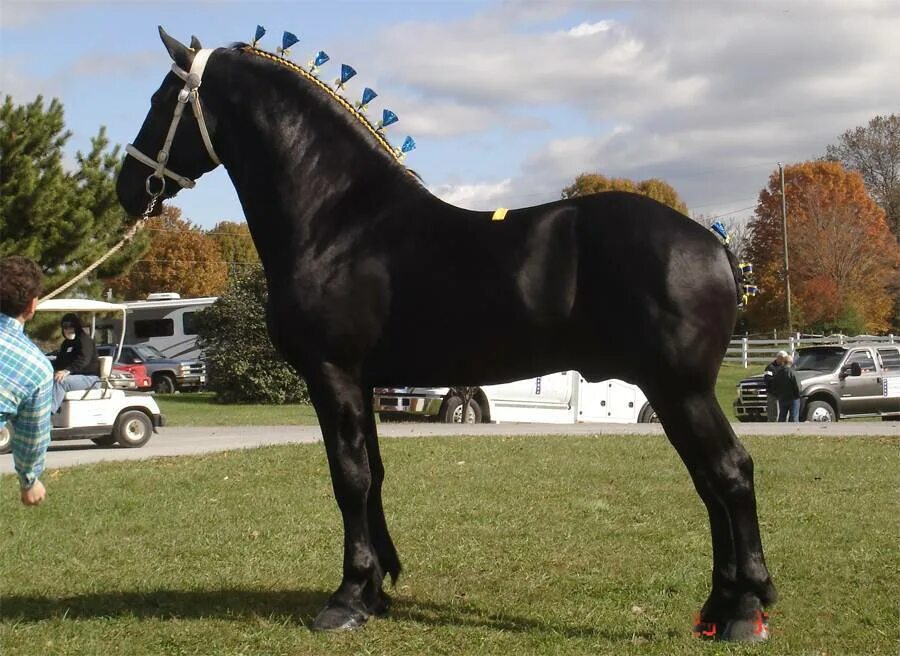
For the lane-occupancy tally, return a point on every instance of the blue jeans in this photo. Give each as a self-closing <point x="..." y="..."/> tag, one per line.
<point x="71" y="383"/>
<point x="789" y="406"/>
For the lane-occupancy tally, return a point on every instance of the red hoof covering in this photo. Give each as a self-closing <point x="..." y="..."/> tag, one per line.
<point x="751" y="630"/>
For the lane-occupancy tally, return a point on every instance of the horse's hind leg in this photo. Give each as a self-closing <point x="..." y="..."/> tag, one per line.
<point x="344" y="411"/>
<point x="722" y="472"/>
<point x="388" y="560"/>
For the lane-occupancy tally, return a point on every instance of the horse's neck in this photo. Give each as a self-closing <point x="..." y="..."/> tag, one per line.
<point x="296" y="164"/>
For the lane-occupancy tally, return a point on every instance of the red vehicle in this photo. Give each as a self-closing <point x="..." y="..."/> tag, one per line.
<point x="142" y="379"/>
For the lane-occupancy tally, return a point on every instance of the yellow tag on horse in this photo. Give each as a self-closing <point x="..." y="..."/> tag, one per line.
<point x="499" y="214"/>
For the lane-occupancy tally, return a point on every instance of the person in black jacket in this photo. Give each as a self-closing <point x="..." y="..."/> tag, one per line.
<point x="787" y="389"/>
<point x="768" y="378"/>
<point x="76" y="366"/>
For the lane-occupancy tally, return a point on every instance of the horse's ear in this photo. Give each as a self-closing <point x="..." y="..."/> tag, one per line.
<point x="177" y="50"/>
<point x="195" y="43"/>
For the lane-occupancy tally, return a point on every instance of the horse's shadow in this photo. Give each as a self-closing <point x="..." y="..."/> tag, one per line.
<point x="296" y="606"/>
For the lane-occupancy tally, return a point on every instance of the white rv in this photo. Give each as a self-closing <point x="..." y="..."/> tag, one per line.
<point x="559" y="398"/>
<point x="165" y="321"/>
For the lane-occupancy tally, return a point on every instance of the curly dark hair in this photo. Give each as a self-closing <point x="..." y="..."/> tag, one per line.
<point x="20" y="282"/>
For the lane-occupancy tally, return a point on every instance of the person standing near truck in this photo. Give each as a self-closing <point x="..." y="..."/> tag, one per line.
<point x="787" y="389"/>
<point x="769" y="379"/>
<point x="26" y="378"/>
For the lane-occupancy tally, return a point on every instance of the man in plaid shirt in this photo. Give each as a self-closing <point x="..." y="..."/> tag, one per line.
<point x="26" y="377"/>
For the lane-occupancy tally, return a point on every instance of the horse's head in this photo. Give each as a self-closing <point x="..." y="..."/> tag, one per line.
<point x="171" y="150"/>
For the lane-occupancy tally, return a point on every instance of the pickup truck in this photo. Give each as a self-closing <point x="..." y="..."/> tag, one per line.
<point x="166" y="375"/>
<point x="836" y="382"/>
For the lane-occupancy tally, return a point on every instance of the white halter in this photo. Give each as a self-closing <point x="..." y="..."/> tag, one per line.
<point x="189" y="93"/>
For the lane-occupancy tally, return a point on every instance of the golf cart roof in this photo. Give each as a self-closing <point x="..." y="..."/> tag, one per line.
<point x="78" y="305"/>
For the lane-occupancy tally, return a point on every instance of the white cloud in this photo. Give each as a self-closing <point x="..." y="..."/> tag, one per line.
<point x="589" y="29"/>
<point x="707" y="95"/>
<point x="484" y="196"/>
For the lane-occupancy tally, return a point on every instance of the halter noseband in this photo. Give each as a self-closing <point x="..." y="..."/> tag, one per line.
<point x="190" y="93"/>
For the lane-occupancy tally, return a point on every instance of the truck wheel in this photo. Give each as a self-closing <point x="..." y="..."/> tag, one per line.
<point x="133" y="429"/>
<point x="106" y="440"/>
<point x="648" y="415"/>
<point x="5" y="440"/>
<point x="451" y="413"/>
<point x="820" y="411"/>
<point x="164" y="384"/>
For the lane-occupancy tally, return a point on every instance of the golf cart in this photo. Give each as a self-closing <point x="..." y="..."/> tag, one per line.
<point x="103" y="414"/>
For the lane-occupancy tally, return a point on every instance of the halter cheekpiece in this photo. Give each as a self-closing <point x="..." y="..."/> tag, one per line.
<point x="188" y="94"/>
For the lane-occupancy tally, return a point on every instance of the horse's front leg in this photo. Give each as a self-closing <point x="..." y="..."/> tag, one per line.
<point x="344" y="411"/>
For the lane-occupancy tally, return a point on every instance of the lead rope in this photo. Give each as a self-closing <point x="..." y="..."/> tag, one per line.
<point x="128" y="236"/>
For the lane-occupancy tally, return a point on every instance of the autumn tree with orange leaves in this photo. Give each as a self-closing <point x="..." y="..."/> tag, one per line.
<point x="181" y="258"/>
<point x="842" y="254"/>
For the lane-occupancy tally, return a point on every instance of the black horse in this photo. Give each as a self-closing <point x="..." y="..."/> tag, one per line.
<point x="365" y="268"/>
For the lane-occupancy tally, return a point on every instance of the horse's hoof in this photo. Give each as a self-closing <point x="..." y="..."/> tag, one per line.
<point x="382" y="605"/>
<point x="755" y="629"/>
<point x="338" y="618"/>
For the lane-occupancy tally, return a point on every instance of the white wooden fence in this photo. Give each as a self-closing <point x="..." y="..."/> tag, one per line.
<point x="753" y="351"/>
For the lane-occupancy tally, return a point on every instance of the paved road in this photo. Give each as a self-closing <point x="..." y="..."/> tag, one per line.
<point x="179" y="441"/>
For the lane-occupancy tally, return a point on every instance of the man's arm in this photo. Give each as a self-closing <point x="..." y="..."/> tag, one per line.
<point x="31" y="434"/>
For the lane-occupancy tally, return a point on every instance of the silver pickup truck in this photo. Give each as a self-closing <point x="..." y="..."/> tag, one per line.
<point x="836" y="382"/>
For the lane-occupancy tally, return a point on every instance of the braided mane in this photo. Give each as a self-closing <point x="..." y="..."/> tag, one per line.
<point x="334" y="95"/>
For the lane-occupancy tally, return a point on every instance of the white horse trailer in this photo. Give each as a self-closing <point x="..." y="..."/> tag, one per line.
<point x="559" y="398"/>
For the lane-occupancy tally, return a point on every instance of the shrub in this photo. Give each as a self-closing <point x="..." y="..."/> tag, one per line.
<point x="242" y="363"/>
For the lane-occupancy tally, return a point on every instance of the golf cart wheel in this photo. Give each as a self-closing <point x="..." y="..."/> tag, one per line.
<point x="133" y="429"/>
<point x="164" y="384"/>
<point x="5" y="440"/>
<point x="106" y="440"/>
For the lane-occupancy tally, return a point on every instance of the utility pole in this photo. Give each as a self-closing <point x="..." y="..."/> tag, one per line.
<point x="787" y="274"/>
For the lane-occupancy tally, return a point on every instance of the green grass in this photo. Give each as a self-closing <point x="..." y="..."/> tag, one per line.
<point x="520" y="545"/>
<point x="200" y="409"/>
<point x="726" y="385"/>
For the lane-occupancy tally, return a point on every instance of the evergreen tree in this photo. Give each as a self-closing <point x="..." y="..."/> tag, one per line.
<point x="64" y="220"/>
<point x="243" y="365"/>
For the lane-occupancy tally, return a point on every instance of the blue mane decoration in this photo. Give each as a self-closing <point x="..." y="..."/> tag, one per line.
<point x="358" y="109"/>
<point x="367" y="96"/>
<point x="347" y="72"/>
<point x="287" y="40"/>
<point x="387" y="118"/>
<point x="260" y="33"/>
<point x="317" y="61"/>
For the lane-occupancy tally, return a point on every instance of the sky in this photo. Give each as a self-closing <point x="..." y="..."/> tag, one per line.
<point x="507" y="101"/>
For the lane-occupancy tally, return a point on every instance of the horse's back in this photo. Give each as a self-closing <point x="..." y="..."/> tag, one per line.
<point x="577" y="283"/>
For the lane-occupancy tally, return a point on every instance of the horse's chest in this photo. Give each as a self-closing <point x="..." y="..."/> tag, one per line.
<point x="346" y="302"/>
